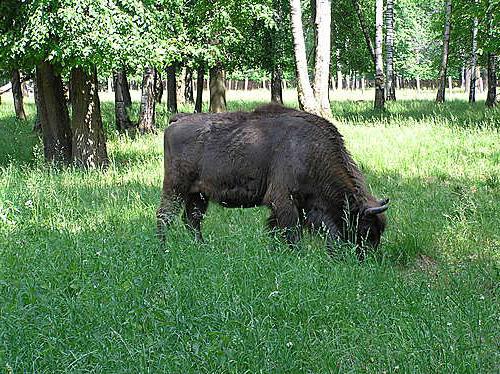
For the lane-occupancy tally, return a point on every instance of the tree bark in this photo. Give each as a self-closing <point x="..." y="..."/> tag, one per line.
<point x="122" y="101"/>
<point x="217" y="89"/>
<point x="440" y="97"/>
<point x="37" y="127"/>
<point x="181" y="88"/>
<point x="492" y="74"/>
<point x="88" y="143"/>
<point x="322" y="63"/>
<point x="492" y="81"/>
<point x="171" y="89"/>
<point x="379" y="63"/>
<point x="17" y="94"/>
<point x="53" y="114"/>
<point x="188" y="86"/>
<point x="148" y="102"/>
<point x="198" y="106"/>
<point x="390" y="86"/>
<point x="479" y="79"/>
<point x="339" y="80"/>
<point x="158" y="86"/>
<point x="472" y="86"/>
<point x="307" y="102"/>
<point x="364" y="29"/>
<point x="276" y="86"/>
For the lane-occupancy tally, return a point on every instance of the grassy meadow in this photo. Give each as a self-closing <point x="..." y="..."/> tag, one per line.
<point x="86" y="287"/>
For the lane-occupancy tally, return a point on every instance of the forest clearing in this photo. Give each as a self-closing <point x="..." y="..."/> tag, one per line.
<point x="87" y="287"/>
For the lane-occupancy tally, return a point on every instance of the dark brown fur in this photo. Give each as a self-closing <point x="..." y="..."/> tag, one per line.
<point x="293" y="162"/>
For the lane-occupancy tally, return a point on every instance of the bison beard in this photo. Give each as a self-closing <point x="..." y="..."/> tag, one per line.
<point x="293" y="162"/>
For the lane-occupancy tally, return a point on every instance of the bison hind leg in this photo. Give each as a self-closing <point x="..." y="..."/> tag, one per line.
<point x="168" y="211"/>
<point x="285" y="218"/>
<point x="196" y="205"/>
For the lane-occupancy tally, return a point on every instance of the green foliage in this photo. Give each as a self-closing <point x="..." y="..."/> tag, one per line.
<point x="85" y="33"/>
<point x="85" y="286"/>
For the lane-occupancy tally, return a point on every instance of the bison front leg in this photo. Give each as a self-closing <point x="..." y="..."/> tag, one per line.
<point x="194" y="210"/>
<point x="317" y="220"/>
<point x="170" y="207"/>
<point x="285" y="218"/>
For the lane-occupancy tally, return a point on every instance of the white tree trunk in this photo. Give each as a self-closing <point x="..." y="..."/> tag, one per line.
<point x="379" y="63"/>
<point x="305" y="93"/>
<point x="472" y="92"/>
<point x="391" y="91"/>
<point x="322" y="63"/>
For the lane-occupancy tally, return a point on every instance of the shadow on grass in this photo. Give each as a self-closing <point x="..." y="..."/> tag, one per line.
<point x="17" y="139"/>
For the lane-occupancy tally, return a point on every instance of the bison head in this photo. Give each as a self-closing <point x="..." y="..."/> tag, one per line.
<point x="371" y="223"/>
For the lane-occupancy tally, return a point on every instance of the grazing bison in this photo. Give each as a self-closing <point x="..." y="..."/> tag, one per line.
<point x="293" y="162"/>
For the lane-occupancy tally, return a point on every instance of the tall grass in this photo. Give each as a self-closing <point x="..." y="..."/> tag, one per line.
<point x="86" y="287"/>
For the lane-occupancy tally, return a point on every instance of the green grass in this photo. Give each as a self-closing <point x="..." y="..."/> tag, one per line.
<point x="86" y="287"/>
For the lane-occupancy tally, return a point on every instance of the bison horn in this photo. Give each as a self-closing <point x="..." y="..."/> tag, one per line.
<point x="383" y="202"/>
<point x="375" y="210"/>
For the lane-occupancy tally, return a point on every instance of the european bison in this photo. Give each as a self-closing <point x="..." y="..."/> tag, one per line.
<point x="293" y="162"/>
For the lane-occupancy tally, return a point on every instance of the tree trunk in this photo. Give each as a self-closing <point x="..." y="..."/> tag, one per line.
<point x="110" y="85"/>
<point x="463" y="79"/>
<point x="171" y="89"/>
<point x="379" y="63"/>
<point x="450" y="84"/>
<point x="492" y="81"/>
<point x="217" y="89"/>
<point x="181" y="88"/>
<point x="339" y="80"/>
<point x="322" y="64"/>
<point x="479" y="79"/>
<point x="17" y="94"/>
<point x="89" y="143"/>
<point x="246" y="84"/>
<point x="417" y="82"/>
<point x="37" y="127"/>
<point x="148" y="102"/>
<point x="364" y="29"/>
<point x="276" y="86"/>
<point x="444" y="61"/>
<point x="307" y="102"/>
<point x="473" y="63"/>
<point x="198" y="106"/>
<point x="53" y="114"/>
<point x="390" y="86"/>
<point x="188" y="86"/>
<point x="492" y="74"/>
<point x="122" y="101"/>
<point x="158" y="86"/>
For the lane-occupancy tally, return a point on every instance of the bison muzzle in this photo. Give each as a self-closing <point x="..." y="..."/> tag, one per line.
<point x="291" y="161"/>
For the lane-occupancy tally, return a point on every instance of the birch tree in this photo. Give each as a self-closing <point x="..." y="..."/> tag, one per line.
<point x="313" y="101"/>
<point x="444" y="61"/>
<point x="379" y="64"/>
<point x="390" y="86"/>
